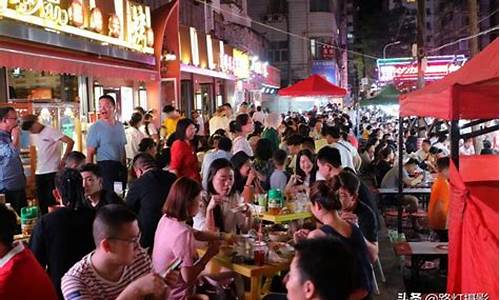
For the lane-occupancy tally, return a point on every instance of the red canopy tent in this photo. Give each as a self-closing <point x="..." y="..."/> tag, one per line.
<point x="469" y="93"/>
<point x="315" y="85"/>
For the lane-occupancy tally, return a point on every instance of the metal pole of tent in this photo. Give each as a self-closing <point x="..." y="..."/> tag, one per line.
<point x="454" y="142"/>
<point x="400" y="176"/>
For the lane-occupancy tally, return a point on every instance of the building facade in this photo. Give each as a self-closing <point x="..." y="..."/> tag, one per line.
<point x="220" y="57"/>
<point x="305" y="37"/>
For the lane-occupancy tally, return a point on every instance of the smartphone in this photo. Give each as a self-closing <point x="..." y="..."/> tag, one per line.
<point x="174" y="266"/>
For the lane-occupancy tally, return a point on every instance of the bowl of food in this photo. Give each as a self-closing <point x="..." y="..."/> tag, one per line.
<point x="278" y="236"/>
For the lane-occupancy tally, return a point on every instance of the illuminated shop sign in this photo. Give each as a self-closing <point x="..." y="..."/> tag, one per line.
<point x="259" y="67"/>
<point x="406" y="69"/>
<point x="117" y="22"/>
<point x="241" y="64"/>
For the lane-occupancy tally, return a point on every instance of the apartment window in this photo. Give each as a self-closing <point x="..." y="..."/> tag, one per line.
<point x="279" y="51"/>
<point x="429" y="39"/>
<point x="277" y="6"/>
<point x="428" y="25"/>
<point x="428" y="11"/>
<point x="320" y="6"/>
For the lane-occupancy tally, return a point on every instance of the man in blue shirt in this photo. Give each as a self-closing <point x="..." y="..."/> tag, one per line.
<point x="106" y="140"/>
<point x="12" y="179"/>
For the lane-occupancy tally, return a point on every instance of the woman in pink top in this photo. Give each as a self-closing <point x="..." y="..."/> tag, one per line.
<point x="175" y="239"/>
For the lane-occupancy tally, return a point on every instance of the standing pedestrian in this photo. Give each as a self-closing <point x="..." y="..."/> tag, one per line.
<point x="12" y="179"/>
<point x="106" y="140"/>
<point x="48" y="142"/>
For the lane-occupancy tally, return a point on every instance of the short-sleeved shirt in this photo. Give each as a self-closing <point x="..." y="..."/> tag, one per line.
<point x="151" y="129"/>
<point x="367" y="221"/>
<point x="48" y="150"/>
<point x="170" y="125"/>
<point x="391" y="178"/>
<point x="11" y="168"/>
<point x="134" y="138"/>
<point x="241" y="144"/>
<point x="438" y="204"/>
<point x="22" y="277"/>
<point x="278" y="180"/>
<point x="346" y="154"/>
<point x="231" y="217"/>
<point x="272" y="135"/>
<point x="184" y="161"/>
<point x="108" y="140"/>
<point x="82" y="282"/>
<point x="360" y="252"/>
<point x="173" y="240"/>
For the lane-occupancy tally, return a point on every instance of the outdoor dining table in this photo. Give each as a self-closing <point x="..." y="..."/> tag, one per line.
<point x="278" y="219"/>
<point x="419" y="192"/>
<point x="253" y="272"/>
<point x="420" y="252"/>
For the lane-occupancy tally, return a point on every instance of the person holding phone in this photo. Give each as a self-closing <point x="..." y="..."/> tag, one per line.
<point x="174" y="239"/>
<point x="246" y="178"/>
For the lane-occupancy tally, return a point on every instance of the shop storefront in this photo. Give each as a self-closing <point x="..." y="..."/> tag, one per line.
<point x="58" y="57"/>
<point x="201" y="72"/>
<point x="207" y="78"/>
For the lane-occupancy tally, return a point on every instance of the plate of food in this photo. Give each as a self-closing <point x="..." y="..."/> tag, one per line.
<point x="278" y="236"/>
<point x="283" y="250"/>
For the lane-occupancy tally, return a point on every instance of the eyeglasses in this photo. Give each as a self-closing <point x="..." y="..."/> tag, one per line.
<point x="134" y="240"/>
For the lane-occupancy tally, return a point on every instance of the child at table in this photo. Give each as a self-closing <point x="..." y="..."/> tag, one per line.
<point x="279" y="177"/>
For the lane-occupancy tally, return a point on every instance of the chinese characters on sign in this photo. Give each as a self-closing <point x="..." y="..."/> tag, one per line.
<point x="406" y="69"/>
<point x="123" y="23"/>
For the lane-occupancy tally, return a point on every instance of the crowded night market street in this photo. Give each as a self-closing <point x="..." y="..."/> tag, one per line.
<point x="249" y="149"/>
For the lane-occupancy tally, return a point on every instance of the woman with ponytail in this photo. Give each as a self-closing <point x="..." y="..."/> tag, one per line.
<point x="62" y="237"/>
<point x="325" y="206"/>
<point x="240" y="128"/>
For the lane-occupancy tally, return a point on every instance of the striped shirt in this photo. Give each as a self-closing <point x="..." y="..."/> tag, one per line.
<point x="82" y="282"/>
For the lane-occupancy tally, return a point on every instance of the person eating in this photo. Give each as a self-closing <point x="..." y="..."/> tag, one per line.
<point x="223" y="210"/>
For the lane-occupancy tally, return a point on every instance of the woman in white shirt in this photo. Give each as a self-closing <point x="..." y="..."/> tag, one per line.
<point x="241" y="127"/>
<point x="222" y="209"/>
<point x="134" y="135"/>
<point x="148" y="128"/>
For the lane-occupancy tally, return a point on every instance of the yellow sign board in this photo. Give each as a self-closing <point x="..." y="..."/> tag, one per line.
<point x="116" y="22"/>
<point x="241" y="63"/>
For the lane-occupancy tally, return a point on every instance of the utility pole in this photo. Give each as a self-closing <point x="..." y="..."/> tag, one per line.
<point x="473" y="27"/>
<point x="420" y="55"/>
<point x="420" y="43"/>
<point x="474" y="49"/>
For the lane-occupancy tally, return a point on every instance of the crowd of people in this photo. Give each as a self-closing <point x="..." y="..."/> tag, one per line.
<point x="114" y="219"/>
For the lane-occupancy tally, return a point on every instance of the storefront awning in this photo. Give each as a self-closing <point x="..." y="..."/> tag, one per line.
<point x="17" y="55"/>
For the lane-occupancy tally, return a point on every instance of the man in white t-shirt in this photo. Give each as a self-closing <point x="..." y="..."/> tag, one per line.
<point x="48" y="142"/>
<point x="258" y="115"/>
<point x="332" y="136"/>
<point x="218" y="121"/>
<point x="467" y="148"/>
